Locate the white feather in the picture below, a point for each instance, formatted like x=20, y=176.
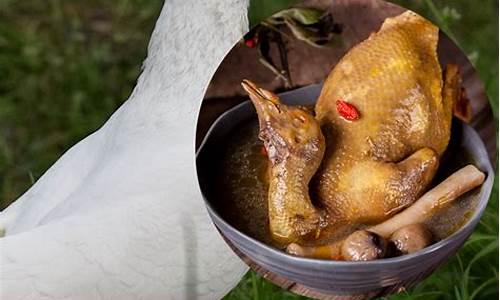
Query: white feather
x=120, y=215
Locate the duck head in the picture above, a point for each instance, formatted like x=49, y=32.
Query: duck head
x=284, y=129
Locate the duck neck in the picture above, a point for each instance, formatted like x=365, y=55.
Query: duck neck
x=291, y=213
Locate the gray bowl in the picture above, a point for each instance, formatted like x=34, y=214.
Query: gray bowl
x=341, y=277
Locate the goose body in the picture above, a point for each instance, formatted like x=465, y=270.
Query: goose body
x=120, y=214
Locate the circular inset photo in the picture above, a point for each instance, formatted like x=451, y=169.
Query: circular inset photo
x=345, y=148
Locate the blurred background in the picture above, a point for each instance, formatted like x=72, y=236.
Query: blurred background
x=65, y=66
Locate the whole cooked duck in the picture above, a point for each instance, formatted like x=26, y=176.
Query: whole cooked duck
x=382, y=121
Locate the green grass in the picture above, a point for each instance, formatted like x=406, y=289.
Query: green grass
x=65, y=66
x=261, y=9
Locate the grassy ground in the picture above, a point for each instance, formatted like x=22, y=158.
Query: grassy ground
x=65, y=66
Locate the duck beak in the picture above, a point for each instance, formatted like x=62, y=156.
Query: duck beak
x=266, y=103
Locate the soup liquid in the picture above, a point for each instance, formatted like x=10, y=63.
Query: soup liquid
x=239, y=191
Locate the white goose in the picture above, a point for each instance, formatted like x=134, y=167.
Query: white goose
x=120, y=215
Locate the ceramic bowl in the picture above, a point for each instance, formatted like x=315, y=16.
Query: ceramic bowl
x=341, y=277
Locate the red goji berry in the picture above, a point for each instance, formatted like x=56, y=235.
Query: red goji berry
x=347, y=110
x=251, y=42
x=263, y=151
x=337, y=257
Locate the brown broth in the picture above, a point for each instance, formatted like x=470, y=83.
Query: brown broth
x=241, y=190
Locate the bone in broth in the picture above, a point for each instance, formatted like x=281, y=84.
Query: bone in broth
x=239, y=191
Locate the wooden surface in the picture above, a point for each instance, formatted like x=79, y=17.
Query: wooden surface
x=359, y=18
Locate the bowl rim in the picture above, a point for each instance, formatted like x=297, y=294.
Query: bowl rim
x=484, y=196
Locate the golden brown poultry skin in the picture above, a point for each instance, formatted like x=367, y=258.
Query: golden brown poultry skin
x=382, y=162
x=375, y=165
x=295, y=147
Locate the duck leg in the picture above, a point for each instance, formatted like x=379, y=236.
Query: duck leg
x=376, y=191
x=457, y=184
x=372, y=191
x=295, y=147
